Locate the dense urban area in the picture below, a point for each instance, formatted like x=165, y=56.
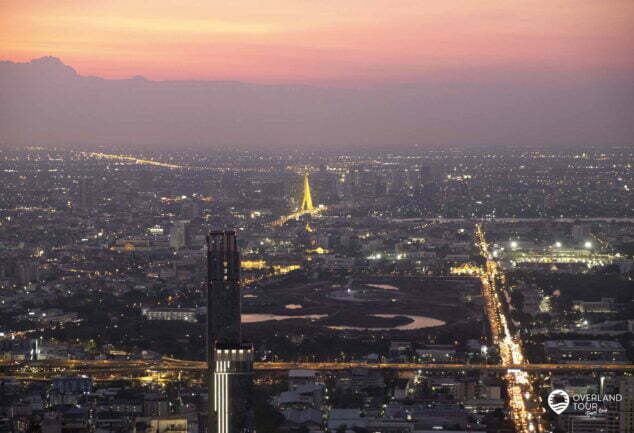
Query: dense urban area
x=391, y=293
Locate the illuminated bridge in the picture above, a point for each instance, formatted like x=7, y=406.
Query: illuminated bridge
x=305, y=208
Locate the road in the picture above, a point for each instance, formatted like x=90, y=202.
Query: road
x=48, y=368
x=133, y=159
x=295, y=215
x=524, y=402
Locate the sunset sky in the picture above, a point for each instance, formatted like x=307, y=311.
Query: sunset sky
x=349, y=42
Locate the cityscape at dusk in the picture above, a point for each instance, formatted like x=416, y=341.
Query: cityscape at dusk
x=447, y=290
x=317, y=217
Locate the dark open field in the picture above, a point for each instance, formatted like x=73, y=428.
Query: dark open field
x=354, y=302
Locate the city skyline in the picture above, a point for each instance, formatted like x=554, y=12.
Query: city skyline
x=360, y=216
x=388, y=293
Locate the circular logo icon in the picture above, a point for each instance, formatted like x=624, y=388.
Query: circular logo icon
x=558, y=400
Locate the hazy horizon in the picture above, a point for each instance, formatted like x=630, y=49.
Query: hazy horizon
x=49, y=103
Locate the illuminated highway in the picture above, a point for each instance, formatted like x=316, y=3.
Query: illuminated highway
x=524, y=402
x=131, y=159
x=47, y=368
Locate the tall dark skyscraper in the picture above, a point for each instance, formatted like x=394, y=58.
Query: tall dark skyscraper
x=229, y=360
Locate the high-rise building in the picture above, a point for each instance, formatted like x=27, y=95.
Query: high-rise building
x=626, y=405
x=581, y=232
x=229, y=359
x=26, y=271
x=177, y=234
x=429, y=190
x=86, y=194
x=72, y=384
x=190, y=209
x=183, y=234
x=34, y=349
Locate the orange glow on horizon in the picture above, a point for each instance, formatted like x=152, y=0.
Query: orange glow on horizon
x=356, y=41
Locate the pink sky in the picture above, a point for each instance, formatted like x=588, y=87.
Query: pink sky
x=321, y=41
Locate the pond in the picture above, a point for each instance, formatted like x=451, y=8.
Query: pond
x=383, y=286
x=257, y=318
x=418, y=322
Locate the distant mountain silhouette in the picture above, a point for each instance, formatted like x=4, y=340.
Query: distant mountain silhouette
x=46, y=102
x=44, y=66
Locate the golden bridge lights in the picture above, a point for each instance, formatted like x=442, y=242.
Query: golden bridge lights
x=306, y=206
x=307, y=200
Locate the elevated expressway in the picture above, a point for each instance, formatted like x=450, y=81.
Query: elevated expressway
x=50, y=368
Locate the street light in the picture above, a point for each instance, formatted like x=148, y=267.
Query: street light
x=557, y=244
x=588, y=245
x=514, y=244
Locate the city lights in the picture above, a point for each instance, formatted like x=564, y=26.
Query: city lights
x=107, y=276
